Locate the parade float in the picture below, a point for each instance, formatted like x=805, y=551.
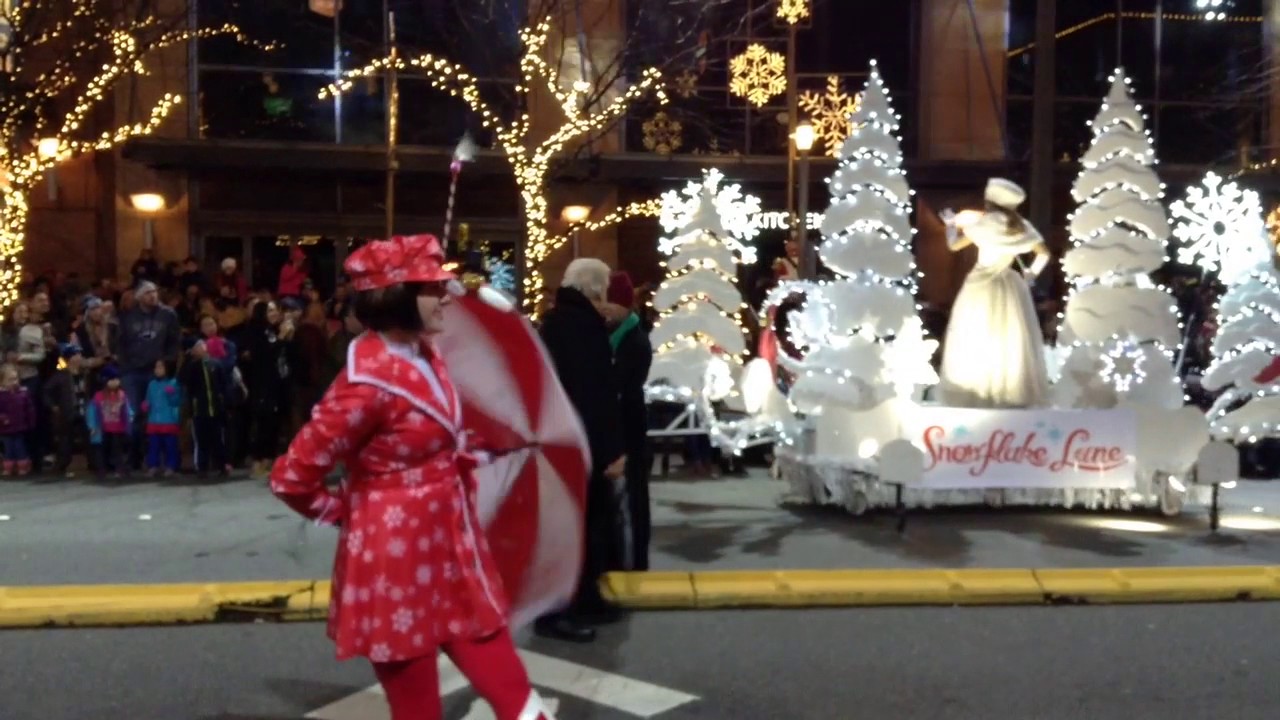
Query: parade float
x=1112, y=431
x=699, y=382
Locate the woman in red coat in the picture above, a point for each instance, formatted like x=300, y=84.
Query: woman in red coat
x=413, y=574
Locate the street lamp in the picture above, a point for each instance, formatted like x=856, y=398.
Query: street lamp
x=575, y=215
x=147, y=204
x=803, y=138
x=49, y=149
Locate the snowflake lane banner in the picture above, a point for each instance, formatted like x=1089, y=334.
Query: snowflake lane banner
x=1051, y=449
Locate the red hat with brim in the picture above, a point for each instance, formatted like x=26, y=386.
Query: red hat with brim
x=402, y=259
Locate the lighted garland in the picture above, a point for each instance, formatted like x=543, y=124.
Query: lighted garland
x=529, y=159
x=89, y=29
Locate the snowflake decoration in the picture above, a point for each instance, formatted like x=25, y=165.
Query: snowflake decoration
x=502, y=275
x=831, y=114
x=736, y=212
x=793, y=11
x=758, y=74
x=1222, y=226
x=662, y=134
x=686, y=84
x=1122, y=365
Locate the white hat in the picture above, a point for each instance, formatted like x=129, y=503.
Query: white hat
x=228, y=264
x=1004, y=193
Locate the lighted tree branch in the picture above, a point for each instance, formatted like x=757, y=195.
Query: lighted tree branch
x=65, y=60
x=529, y=157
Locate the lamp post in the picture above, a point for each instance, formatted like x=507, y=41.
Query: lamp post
x=575, y=215
x=803, y=139
x=148, y=204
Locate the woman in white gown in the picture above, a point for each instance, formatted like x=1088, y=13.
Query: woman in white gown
x=994, y=350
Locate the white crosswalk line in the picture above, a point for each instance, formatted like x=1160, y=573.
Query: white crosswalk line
x=635, y=697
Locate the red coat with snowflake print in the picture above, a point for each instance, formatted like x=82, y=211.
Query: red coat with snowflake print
x=413, y=569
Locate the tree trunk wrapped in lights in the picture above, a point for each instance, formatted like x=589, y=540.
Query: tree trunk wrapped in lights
x=62, y=61
x=530, y=158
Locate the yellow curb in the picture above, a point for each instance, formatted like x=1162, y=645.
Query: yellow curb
x=1143, y=585
x=651, y=590
x=111, y=605
x=792, y=588
x=300, y=600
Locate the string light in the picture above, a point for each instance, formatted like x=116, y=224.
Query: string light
x=1128, y=15
x=758, y=74
x=88, y=30
x=793, y=11
x=529, y=158
x=831, y=114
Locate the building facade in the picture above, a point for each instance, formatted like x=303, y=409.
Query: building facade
x=256, y=160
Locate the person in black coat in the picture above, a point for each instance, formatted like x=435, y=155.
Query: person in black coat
x=632, y=357
x=577, y=339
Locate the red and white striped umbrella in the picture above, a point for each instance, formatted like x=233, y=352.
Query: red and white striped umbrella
x=532, y=499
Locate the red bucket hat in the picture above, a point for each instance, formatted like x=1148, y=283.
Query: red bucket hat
x=403, y=258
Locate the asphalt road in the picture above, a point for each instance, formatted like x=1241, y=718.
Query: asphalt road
x=1040, y=663
x=64, y=532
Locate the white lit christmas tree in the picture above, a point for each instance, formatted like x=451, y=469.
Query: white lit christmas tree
x=865, y=339
x=1224, y=231
x=1120, y=332
x=699, y=339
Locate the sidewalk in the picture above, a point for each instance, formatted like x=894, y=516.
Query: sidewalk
x=72, y=532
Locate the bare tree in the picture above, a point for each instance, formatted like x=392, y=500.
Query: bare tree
x=60, y=64
x=594, y=86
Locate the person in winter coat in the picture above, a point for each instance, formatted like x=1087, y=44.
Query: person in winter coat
x=163, y=407
x=17, y=417
x=270, y=381
x=149, y=333
x=65, y=393
x=632, y=356
x=577, y=339
x=110, y=420
x=413, y=574
x=293, y=274
x=204, y=380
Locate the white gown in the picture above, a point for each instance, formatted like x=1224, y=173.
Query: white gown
x=994, y=350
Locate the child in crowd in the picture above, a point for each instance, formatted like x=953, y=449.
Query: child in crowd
x=163, y=407
x=109, y=419
x=205, y=381
x=64, y=396
x=17, y=418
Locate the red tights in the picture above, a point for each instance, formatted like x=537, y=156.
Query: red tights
x=491, y=664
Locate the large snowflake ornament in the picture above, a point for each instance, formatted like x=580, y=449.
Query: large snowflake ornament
x=758, y=74
x=735, y=211
x=502, y=275
x=831, y=114
x=793, y=11
x=1122, y=365
x=1222, y=227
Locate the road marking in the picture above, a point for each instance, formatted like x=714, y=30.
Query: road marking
x=631, y=696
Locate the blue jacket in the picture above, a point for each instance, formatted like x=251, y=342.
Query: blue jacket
x=163, y=406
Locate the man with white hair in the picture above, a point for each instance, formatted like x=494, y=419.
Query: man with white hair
x=577, y=337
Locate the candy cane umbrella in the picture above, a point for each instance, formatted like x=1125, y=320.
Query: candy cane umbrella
x=532, y=499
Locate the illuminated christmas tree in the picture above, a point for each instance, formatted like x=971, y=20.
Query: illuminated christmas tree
x=699, y=339
x=862, y=331
x=1120, y=332
x=1246, y=351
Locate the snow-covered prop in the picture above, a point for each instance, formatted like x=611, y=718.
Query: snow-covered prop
x=1120, y=333
x=1119, y=439
x=1246, y=356
x=699, y=340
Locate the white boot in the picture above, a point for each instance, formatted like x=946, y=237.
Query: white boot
x=535, y=709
